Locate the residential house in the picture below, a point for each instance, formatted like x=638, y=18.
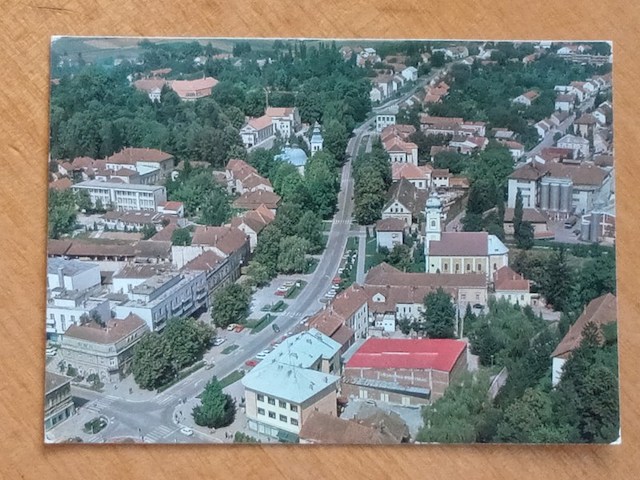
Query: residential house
x=125, y=220
x=105, y=351
x=527, y=98
x=395, y=140
x=151, y=86
x=565, y=102
x=147, y=162
x=419, y=176
x=601, y=311
x=512, y=287
x=299, y=377
x=386, y=118
x=585, y=125
x=410, y=74
x=389, y=232
x=286, y=120
x=58, y=402
x=579, y=145
x=405, y=202
x=252, y=223
x=256, y=131
x=175, y=209
x=253, y=200
x=535, y=217
x=440, y=178
x=516, y=149
x=240, y=177
x=191, y=90
x=227, y=242
x=408, y=372
x=321, y=428
x=61, y=184
x=467, y=144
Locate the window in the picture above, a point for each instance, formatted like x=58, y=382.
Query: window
x=468, y=267
x=294, y=421
x=52, y=317
x=479, y=267
x=477, y=296
x=283, y=418
x=272, y=414
x=495, y=266
x=282, y=404
x=446, y=267
x=521, y=297
x=261, y=411
x=260, y=397
x=271, y=401
x=433, y=223
x=457, y=267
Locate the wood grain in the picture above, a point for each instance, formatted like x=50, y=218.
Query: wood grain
x=26, y=30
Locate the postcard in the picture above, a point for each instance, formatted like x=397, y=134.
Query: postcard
x=317, y=241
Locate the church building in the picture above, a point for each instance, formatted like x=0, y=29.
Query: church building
x=459, y=252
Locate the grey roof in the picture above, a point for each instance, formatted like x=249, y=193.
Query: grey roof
x=118, y=186
x=293, y=155
x=69, y=267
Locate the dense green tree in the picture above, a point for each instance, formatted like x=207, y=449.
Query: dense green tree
x=217, y=409
x=83, y=201
x=259, y=273
x=437, y=59
x=215, y=209
x=556, y=284
x=268, y=248
x=336, y=137
x=517, y=214
x=230, y=305
x=186, y=339
x=181, y=237
x=292, y=256
x=310, y=228
x=61, y=213
x=524, y=236
x=439, y=316
x=152, y=365
x=148, y=231
x=400, y=257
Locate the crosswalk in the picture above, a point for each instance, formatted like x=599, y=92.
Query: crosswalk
x=342, y=222
x=98, y=405
x=291, y=314
x=165, y=399
x=158, y=434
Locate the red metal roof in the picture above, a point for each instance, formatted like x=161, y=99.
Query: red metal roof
x=437, y=354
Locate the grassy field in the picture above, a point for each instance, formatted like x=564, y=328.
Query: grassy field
x=373, y=257
x=233, y=377
x=295, y=291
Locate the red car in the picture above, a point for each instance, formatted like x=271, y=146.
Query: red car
x=251, y=363
x=239, y=328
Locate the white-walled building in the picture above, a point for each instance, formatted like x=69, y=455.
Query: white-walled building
x=579, y=145
x=511, y=286
x=123, y=196
x=389, y=232
x=257, y=130
x=64, y=308
x=317, y=141
x=410, y=74
x=386, y=118
x=72, y=274
x=285, y=120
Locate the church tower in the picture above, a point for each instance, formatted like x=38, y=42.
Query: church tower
x=316, y=139
x=433, y=223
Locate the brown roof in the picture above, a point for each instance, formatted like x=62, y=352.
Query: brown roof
x=252, y=200
x=53, y=381
x=473, y=244
x=531, y=215
x=398, y=130
x=238, y=166
x=384, y=274
x=506, y=279
x=265, y=213
x=279, y=111
x=132, y=155
x=440, y=172
x=410, y=171
x=529, y=171
x=603, y=160
x=260, y=123
x=405, y=193
x=441, y=121
x=580, y=174
x=600, y=311
x=114, y=331
x=166, y=234
x=326, y=321
x=149, y=84
x=225, y=239
x=460, y=182
x=58, y=248
x=83, y=162
x=253, y=180
x=531, y=94
x=201, y=85
x=585, y=119
x=203, y=262
x=254, y=222
x=61, y=184
x=119, y=248
x=565, y=98
x=324, y=428
x=390, y=225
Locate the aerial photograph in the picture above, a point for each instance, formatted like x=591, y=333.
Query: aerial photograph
x=318, y=241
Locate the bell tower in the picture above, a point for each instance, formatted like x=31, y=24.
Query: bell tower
x=433, y=223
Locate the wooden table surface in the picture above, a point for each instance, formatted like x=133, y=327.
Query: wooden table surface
x=26, y=29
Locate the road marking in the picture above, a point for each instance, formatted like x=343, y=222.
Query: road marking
x=167, y=399
x=98, y=405
x=158, y=433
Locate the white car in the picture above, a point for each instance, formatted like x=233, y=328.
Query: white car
x=262, y=354
x=186, y=431
x=219, y=341
x=231, y=327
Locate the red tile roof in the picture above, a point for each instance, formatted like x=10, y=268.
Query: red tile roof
x=410, y=171
x=279, y=111
x=384, y=274
x=323, y=428
x=173, y=206
x=200, y=87
x=61, y=184
x=531, y=215
x=114, y=331
x=385, y=353
x=390, y=225
x=226, y=239
x=600, y=311
x=252, y=200
x=260, y=123
x=203, y=262
x=149, y=84
x=132, y=155
x=507, y=279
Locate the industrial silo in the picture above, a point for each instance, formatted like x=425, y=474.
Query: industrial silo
x=554, y=200
x=594, y=233
x=566, y=190
x=544, y=196
x=585, y=228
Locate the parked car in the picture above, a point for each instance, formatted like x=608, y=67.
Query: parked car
x=478, y=306
x=231, y=327
x=251, y=363
x=276, y=328
x=186, y=431
x=219, y=341
x=262, y=354
x=238, y=328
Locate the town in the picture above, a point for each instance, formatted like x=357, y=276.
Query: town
x=310, y=241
